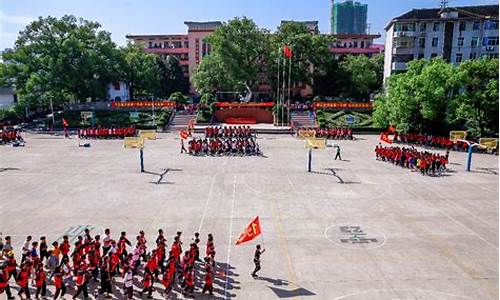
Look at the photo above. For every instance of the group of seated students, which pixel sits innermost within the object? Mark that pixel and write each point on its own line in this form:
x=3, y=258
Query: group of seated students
x=228, y=132
x=430, y=141
x=331, y=133
x=10, y=136
x=427, y=163
x=223, y=146
x=106, y=133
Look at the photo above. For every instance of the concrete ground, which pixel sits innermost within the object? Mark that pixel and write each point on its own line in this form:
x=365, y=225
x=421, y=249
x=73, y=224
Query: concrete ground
x=352, y=229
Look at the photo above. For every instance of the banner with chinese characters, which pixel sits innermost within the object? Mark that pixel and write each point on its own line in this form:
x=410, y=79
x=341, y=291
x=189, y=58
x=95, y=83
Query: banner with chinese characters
x=343, y=105
x=141, y=104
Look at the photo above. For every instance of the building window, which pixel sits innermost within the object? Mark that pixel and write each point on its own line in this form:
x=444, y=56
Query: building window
x=420, y=56
x=434, y=55
x=362, y=44
x=423, y=27
x=491, y=25
x=435, y=42
x=404, y=27
x=461, y=26
x=458, y=58
x=421, y=42
x=460, y=42
x=150, y=45
x=177, y=44
x=472, y=55
x=474, y=42
x=436, y=26
x=476, y=25
x=116, y=85
x=186, y=44
x=490, y=41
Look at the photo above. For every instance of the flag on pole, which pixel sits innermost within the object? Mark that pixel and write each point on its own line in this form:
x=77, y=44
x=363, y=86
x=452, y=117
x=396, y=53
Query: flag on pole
x=184, y=134
x=287, y=52
x=384, y=137
x=65, y=123
x=250, y=232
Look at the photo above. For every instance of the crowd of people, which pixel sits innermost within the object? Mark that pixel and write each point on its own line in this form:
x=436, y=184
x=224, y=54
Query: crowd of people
x=330, y=133
x=11, y=136
x=223, y=141
x=95, y=263
x=427, y=163
x=430, y=141
x=106, y=133
x=228, y=132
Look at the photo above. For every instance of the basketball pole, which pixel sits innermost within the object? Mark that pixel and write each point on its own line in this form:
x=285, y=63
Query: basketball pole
x=141, y=156
x=309, y=164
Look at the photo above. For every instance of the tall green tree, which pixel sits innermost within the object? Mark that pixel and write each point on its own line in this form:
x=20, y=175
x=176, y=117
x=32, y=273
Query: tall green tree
x=140, y=71
x=172, y=78
x=311, y=54
x=476, y=105
x=60, y=60
x=363, y=74
x=238, y=49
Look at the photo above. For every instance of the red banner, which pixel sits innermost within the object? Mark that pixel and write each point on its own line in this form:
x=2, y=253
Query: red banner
x=139, y=104
x=243, y=105
x=342, y=105
x=251, y=232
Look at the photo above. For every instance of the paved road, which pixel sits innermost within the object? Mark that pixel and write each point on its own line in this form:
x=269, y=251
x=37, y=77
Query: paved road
x=426, y=238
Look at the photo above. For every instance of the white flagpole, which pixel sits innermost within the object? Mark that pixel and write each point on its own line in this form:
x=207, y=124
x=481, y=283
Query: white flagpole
x=283, y=91
x=278, y=86
x=289, y=87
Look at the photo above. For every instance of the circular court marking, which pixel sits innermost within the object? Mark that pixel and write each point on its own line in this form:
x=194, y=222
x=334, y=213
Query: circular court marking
x=406, y=294
x=355, y=236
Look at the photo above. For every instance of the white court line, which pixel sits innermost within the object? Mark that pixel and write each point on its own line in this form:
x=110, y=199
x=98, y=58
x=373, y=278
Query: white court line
x=400, y=290
x=210, y=192
x=229, y=245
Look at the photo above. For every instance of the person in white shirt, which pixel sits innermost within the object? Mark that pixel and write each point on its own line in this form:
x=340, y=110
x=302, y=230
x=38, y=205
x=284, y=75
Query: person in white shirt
x=26, y=249
x=106, y=242
x=128, y=283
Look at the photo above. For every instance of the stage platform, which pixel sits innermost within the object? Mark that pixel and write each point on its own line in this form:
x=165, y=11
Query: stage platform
x=260, y=128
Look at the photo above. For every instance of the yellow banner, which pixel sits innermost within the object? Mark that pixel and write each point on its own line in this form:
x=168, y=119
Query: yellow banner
x=148, y=134
x=133, y=142
x=488, y=143
x=314, y=143
x=306, y=133
x=458, y=135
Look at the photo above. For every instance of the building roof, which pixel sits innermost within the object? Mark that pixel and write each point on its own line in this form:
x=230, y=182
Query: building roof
x=210, y=25
x=464, y=12
x=154, y=36
x=343, y=36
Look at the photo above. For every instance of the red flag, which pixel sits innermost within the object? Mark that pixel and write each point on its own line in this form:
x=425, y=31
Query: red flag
x=391, y=129
x=184, y=134
x=65, y=123
x=384, y=136
x=251, y=232
x=287, y=52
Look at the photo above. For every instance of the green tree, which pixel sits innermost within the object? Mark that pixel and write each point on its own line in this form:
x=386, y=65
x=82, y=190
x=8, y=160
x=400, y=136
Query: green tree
x=364, y=75
x=476, y=105
x=311, y=53
x=172, y=77
x=238, y=49
x=139, y=70
x=178, y=97
x=60, y=60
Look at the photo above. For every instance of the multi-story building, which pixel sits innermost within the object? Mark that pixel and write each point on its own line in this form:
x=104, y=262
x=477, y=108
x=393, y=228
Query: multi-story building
x=454, y=33
x=348, y=17
x=356, y=44
x=189, y=48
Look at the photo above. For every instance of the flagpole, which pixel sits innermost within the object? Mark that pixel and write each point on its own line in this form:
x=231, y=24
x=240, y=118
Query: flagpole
x=283, y=91
x=278, y=86
x=289, y=86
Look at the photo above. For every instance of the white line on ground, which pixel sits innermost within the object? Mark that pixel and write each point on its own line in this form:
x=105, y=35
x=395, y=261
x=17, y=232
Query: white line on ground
x=210, y=192
x=229, y=245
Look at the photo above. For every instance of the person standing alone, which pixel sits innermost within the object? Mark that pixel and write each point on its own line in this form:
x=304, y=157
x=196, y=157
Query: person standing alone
x=256, y=260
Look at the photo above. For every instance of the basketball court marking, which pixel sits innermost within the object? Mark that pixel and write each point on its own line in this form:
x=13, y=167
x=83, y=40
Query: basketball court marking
x=210, y=192
x=418, y=291
x=229, y=245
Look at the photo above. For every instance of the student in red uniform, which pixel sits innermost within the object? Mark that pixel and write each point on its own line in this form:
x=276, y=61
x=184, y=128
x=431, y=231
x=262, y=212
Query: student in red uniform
x=41, y=281
x=81, y=284
x=147, y=281
x=65, y=247
x=23, y=280
x=209, y=279
x=58, y=283
x=4, y=282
